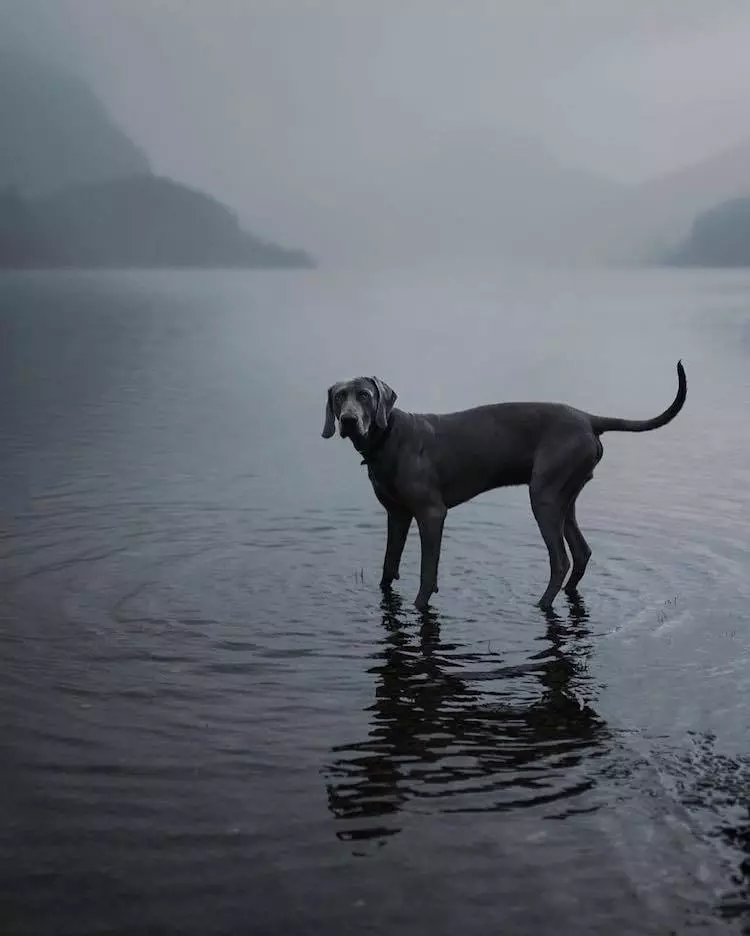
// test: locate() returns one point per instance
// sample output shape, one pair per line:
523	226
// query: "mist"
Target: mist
414	132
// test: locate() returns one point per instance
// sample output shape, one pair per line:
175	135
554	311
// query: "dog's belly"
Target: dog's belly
478	454
478	475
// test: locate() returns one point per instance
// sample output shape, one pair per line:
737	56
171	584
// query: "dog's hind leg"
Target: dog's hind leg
549	513
555	484
580	550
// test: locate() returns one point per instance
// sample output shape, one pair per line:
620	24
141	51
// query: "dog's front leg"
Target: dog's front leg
430	521
399	522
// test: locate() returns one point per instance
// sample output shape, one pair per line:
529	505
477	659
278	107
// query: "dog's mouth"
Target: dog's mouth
350	429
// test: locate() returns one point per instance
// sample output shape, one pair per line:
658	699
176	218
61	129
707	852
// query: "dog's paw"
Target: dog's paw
421	601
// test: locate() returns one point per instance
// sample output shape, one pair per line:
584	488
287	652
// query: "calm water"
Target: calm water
211	721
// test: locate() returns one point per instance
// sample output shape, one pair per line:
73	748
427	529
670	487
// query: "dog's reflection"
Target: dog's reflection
439	727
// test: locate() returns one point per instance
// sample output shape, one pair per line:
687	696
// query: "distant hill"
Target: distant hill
650	218
719	237
142	221
76	192
478	196
511	198
681	195
54	131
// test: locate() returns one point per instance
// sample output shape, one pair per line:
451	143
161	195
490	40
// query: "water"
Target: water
212	722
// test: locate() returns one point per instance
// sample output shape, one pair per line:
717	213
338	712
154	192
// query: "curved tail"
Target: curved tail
602	424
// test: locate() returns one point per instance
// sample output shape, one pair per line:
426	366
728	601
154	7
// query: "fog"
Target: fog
418	130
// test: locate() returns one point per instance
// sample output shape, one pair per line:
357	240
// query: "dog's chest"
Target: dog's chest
385	489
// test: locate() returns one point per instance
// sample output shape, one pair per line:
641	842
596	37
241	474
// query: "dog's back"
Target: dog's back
490	446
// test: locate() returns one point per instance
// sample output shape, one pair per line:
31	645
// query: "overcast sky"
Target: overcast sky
284	106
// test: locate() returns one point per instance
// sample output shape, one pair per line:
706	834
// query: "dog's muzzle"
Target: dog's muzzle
354	423
348	426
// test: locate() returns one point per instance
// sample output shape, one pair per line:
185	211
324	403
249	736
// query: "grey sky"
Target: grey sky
292	110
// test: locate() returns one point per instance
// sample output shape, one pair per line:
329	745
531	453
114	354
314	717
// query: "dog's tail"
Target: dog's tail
602	424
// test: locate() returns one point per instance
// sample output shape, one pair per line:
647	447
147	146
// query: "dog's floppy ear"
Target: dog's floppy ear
386	401
329	426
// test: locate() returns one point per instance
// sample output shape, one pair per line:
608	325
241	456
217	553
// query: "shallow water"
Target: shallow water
212	721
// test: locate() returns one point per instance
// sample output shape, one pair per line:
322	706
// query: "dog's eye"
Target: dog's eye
363	396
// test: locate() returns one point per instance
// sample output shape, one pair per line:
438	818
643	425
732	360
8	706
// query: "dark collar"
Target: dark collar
375	443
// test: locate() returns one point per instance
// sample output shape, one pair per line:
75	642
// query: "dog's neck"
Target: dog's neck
371	447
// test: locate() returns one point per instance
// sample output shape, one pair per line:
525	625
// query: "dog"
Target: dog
421	465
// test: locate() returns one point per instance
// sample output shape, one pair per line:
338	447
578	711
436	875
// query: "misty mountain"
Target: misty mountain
719	237
141	221
76	191
680	196
55	131
482	197
658	214
470	196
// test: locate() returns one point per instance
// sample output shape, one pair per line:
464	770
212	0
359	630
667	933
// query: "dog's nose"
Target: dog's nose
348	421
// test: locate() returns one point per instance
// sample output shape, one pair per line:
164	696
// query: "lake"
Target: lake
212	721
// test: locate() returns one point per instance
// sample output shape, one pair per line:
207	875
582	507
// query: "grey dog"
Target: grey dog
420	465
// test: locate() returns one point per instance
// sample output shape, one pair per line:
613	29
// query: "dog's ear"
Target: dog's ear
329	425
386	400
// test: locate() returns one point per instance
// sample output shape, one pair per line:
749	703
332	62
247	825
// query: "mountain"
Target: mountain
511	196
75	191
681	195
141	221
719	237
657	214
55	131
476	196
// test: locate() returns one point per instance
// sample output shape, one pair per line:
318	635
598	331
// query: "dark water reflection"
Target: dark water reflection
439	730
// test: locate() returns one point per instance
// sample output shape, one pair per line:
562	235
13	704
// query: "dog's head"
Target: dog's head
359	405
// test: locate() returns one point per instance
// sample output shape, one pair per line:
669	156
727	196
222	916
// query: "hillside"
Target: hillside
480	197
55	131
652	217
719	237
75	191
681	195
142	221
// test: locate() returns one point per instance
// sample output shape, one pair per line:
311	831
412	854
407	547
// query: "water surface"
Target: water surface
212	721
